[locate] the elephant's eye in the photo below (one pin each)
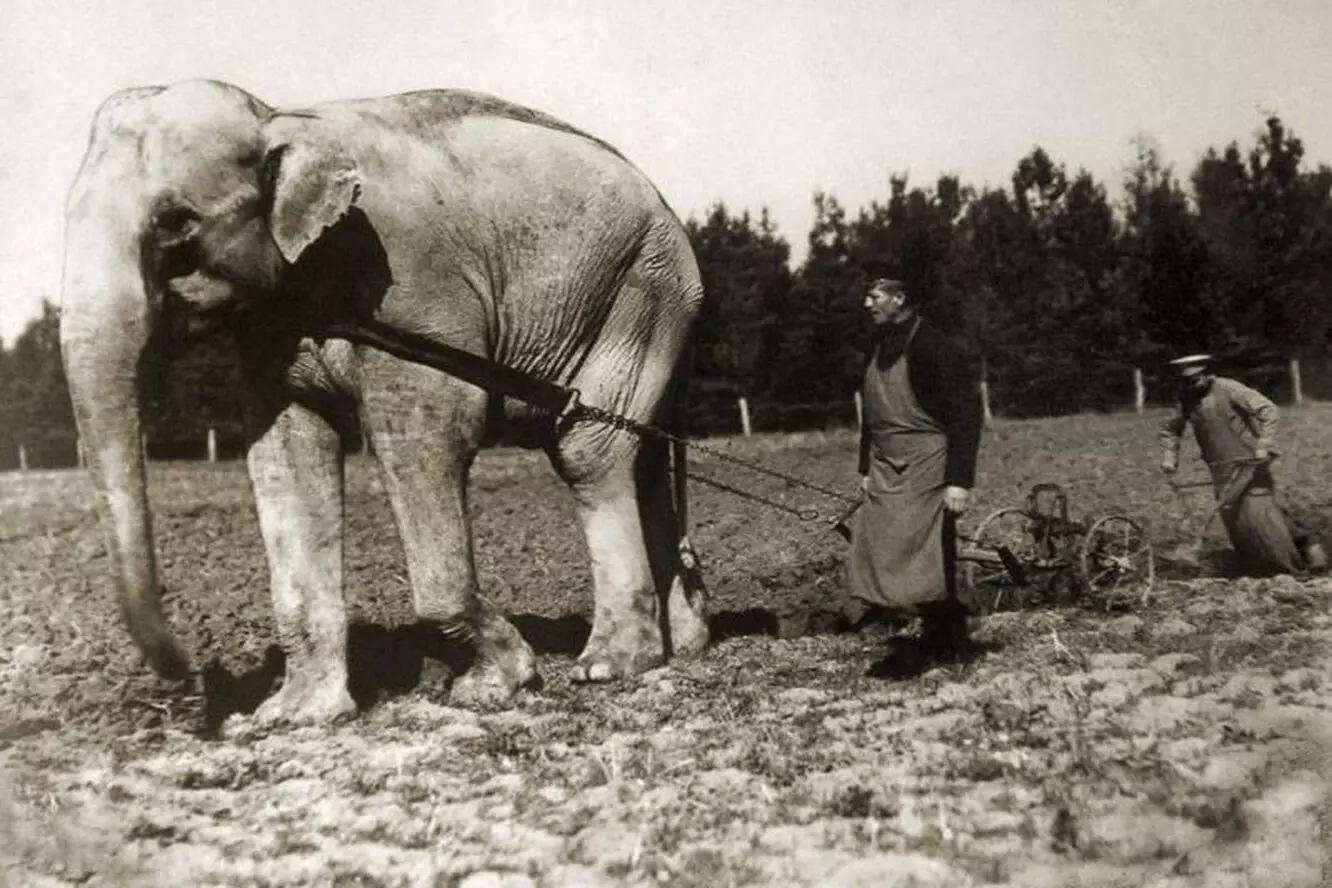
(175, 231)
(174, 225)
(179, 259)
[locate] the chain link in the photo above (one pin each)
(579, 410)
(764, 470)
(802, 514)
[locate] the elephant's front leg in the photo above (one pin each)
(296, 472)
(426, 429)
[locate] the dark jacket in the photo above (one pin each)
(945, 378)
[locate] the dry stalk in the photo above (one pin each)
(611, 763)
(636, 852)
(1078, 659)
(156, 706)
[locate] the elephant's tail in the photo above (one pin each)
(680, 458)
(680, 479)
(687, 604)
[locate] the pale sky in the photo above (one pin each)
(753, 103)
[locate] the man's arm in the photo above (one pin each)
(1170, 432)
(965, 422)
(945, 377)
(1259, 414)
(960, 411)
(862, 466)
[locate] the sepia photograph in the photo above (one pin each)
(591, 443)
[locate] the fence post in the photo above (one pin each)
(143, 445)
(985, 391)
(744, 416)
(23, 459)
(1139, 391)
(1295, 382)
(83, 460)
(860, 412)
(212, 445)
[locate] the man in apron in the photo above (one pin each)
(1236, 428)
(920, 434)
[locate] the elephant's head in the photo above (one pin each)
(192, 201)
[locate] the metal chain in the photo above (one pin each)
(577, 410)
(564, 403)
(802, 514)
(764, 470)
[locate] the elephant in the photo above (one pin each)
(447, 215)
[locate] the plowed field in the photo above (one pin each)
(1181, 741)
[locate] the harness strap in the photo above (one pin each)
(562, 402)
(482, 372)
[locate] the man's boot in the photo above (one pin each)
(943, 630)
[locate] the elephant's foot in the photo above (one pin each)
(687, 607)
(300, 703)
(504, 665)
(606, 659)
(486, 686)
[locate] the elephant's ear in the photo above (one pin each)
(314, 183)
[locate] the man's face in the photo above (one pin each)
(1198, 381)
(887, 305)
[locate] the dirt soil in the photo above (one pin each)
(1181, 740)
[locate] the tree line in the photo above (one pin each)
(1062, 289)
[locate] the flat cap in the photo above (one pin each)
(888, 285)
(1191, 364)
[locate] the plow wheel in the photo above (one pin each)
(1116, 555)
(991, 581)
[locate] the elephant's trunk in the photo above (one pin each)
(105, 330)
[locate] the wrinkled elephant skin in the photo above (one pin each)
(450, 215)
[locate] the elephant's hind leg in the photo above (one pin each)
(626, 636)
(621, 485)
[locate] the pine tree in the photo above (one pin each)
(818, 352)
(744, 266)
(1268, 230)
(39, 414)
(1161, 276)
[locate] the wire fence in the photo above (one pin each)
(714, 416)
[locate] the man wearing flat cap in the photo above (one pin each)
(1236, 427)
(920, 432)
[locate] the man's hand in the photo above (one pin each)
(1168, 466)
(1261, 454)
(955, 499)
(864, 483)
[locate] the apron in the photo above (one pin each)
(898, 536)
(1258, 528)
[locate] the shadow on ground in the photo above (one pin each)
(908, 658)
(382, 661)
(386, 661)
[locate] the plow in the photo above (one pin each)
(1021, 553)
